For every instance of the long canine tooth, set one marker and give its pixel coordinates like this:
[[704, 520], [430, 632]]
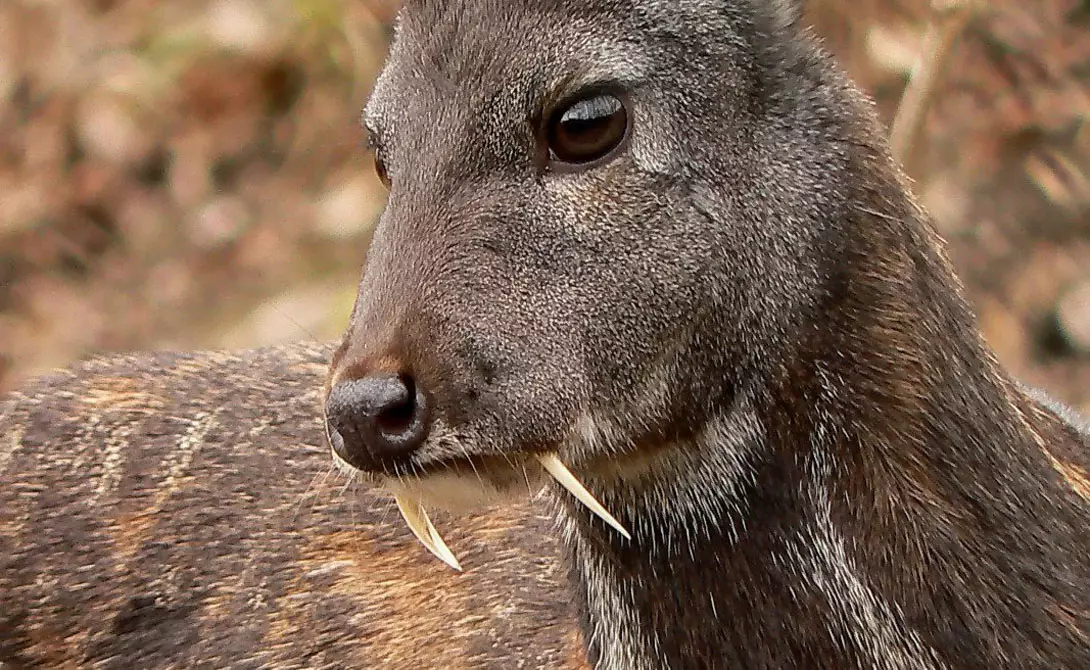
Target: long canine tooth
[[447, 556], [420, 524], [563, 476], [410, 511]]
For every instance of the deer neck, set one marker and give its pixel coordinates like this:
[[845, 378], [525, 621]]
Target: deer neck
[[862, 510], [748, 563]]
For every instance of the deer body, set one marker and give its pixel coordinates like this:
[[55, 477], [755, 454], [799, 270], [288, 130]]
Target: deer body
[[178, 511]]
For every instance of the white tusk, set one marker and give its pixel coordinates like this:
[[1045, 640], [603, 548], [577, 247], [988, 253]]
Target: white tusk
[[447, 556], [563, 476], [420, 524]]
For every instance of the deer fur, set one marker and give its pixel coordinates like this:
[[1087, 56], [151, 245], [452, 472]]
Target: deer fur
[[180, 511], [742, 334]]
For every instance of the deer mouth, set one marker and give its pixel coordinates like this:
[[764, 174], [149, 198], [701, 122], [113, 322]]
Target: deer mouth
[[473, 482]]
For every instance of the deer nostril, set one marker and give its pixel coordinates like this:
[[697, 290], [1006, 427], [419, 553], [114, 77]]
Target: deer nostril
[[378, 420], [398, 416]]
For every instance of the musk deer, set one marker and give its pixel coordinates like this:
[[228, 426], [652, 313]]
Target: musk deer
[[651, 256], [663, 246]]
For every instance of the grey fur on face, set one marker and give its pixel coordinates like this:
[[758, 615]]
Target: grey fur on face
[[527, 299]]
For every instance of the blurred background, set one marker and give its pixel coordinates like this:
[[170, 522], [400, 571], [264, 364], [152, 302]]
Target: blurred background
[[192, 174]]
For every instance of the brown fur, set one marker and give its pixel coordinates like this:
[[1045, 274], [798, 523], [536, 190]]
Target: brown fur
[[154, 513]]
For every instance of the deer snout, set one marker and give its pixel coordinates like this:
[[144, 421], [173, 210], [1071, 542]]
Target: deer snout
[[377, 421]]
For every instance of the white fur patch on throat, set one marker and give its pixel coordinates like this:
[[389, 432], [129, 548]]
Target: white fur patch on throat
[[876, 628], [617, 630], [696, 496], [682, 494]]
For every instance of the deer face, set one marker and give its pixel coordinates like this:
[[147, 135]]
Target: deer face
[[591, 239]]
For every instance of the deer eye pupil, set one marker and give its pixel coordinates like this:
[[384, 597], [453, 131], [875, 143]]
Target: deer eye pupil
[[587, 130]]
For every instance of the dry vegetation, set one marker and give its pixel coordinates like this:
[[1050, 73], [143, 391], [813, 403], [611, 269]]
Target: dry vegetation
[[190, 173]]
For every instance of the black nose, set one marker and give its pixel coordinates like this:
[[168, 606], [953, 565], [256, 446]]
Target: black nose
[[377, 421]]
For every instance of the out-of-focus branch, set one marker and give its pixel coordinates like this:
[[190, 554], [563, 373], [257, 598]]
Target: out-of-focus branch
[[950, 18]]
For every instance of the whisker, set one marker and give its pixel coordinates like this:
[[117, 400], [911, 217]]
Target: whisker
[[355, 518], [317, 476], [347, 482], [303, 329], [385, 513], [526, 476], [475, 472]]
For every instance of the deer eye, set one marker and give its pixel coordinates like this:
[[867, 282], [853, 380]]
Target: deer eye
[[380, 170], [587, 130], [376, 155]]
